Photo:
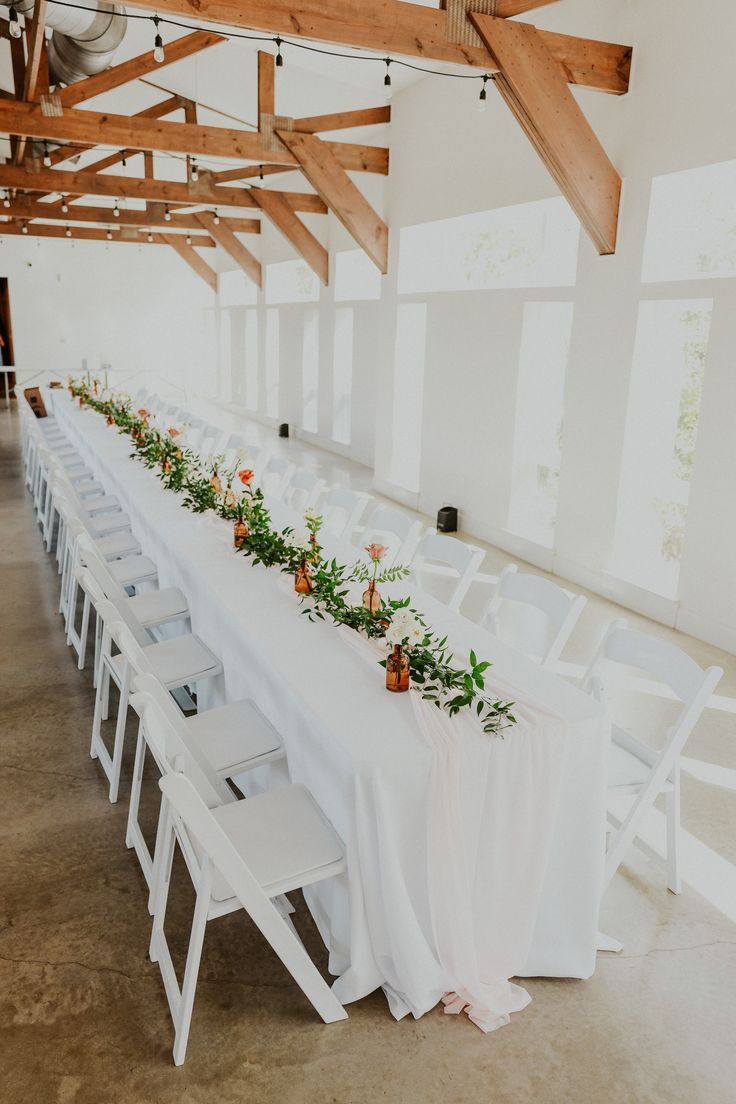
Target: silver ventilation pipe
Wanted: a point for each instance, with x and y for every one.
(84, 38)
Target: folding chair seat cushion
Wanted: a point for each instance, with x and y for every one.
(117, 544)
(154, 607)
(283, 837)
(175, 662)
(232, 736)
(133, 569)
(109, 523)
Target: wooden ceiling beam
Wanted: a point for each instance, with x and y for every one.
(26, 209)
(343, 120)
(32, 179)
(85, 233)
(249, 172)
(294, 230)
(195, 262)
(534, 89)
(333, 184)
(266, 84)
(34, 43)
(91, 127)
(166, 107)
(224, 237)
(505, 9)
(136, 67)
(390, 27)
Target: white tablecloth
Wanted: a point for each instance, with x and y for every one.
(471, 859)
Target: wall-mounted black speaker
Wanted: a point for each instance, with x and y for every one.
(284, 429)
(447, 519)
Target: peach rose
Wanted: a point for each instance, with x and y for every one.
(245, 476)
(173, 432)
(376, 552)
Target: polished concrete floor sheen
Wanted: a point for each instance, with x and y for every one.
(83, 1018)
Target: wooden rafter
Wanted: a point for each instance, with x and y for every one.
(396, 27)
(158, 111)
(126, 187)
(26, 209)
(195, 262)
(136, 67)
(507, 8)
(343, 120)
(249, 172)
(86, 233)
(532, 86)
(35, 42)
(86, 127)
(266, 84)
(224, 237)
(294, 230)
(333, 184)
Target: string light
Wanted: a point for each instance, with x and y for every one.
(216, 219)
(149, 236)
(6, 200)
(68, 232)
(46, 156)
(116, 210)
(24, 228)
(189, 239)
(158, 42)
(167, 213)
(109, 235)
(387, 81)
(64, 206)
(279, 58)
(194, 171)
(13, 24)
(482, 97)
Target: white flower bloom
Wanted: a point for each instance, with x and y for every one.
(404, 629)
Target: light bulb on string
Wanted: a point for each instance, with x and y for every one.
(279, 58)
(483, 95)
(260, 172)
(24, 228)
(167, 213)
(109, 235)
(216, 219)
(387, 82)
(158, 43)
(68, 232)
(189, 239)
(14, 28)
(64, 206)
(6, 200)
(194, 171)
(46, 156)
(149, 236)
(116, 210)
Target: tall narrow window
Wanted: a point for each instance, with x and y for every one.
(310, 371)
(251, 359)
(535, 473)
(342, 375)
(659, 444)
(272, 362)
(408, 395)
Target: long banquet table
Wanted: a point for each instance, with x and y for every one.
(471, 859)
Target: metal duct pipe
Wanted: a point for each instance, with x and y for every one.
(84, 38)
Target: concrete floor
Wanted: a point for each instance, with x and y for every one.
(83, 1018)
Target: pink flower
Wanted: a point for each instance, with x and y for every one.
(173, 432)
(376, 552)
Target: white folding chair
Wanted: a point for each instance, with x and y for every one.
(462, 560)
(275, 475)
(532, 613)
(304, 491)
(637, 769)
(182, 661)
(395, 530)
(243, 855)
(343, 510)
(224, 742)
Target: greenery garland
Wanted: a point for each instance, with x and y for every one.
(210, 485)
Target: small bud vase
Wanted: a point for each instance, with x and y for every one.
(397, 670)
(371, 598)
(240, 533)
(110, 420)
(302, 579)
